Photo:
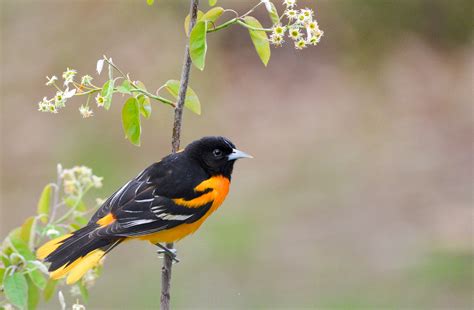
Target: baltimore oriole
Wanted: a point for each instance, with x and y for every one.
(166, 202)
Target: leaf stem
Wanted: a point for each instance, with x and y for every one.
(73, 208)
(158, 98)
(115, 67)
(252, 9)
(224, 25)
(57, 188)
(137, 89)
(242, 23)
(237, 20)
(88, 92)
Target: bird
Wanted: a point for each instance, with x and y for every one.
(167, 201)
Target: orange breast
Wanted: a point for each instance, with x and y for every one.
(220, 189)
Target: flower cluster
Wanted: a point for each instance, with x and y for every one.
(302, 28)
(71, 88)
(53, 104)
(78, 179)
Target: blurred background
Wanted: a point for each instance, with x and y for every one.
(360, 193)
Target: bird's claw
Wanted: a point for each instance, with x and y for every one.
(166, 251)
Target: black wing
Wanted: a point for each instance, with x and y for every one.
(145, 204)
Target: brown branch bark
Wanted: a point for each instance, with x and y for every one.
(178, 119)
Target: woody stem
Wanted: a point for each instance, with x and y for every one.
(178, 118)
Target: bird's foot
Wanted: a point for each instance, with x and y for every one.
(166, 251)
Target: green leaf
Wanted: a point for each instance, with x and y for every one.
(188, 19)
(140, 85)
(71, 202)
(98, 270)
(49, 289)
(81, 220)
(259, 39)
(36, 276)
(25, 230)
(213, 14)
(274, 14)
(105, 88)
(84, 291)
(33, 294)
(75, 226)
(145, 105)
(107, 92)
(150, 2)
(125, 87)
(16, 290)
(191, 102)
(6, 257)
(212, 2)
(198, 44)
(21, 248)
(2, 273)
(44, 203)
(131, 120)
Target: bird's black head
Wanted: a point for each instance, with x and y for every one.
(216, 155)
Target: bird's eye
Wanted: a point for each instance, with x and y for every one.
(217, 153)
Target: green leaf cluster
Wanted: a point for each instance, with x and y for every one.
(22, 277)
(206, 22)
(24, 280)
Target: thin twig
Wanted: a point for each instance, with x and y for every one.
(57, 187)
(178, 118)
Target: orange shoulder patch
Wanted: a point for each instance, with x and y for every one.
(106, 220)
(219, 186)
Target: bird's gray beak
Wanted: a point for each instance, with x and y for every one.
(236, 154)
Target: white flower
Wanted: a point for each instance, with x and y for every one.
(75, 292)
(276, 39)
(318, 33)
(308, 13)
(291, 14)
(51, 80)
(316, 37)
(43, 105)
(78, 307)
(278, 29)
(313, 26)
(83, 170)
(89, 278)
(85, 111)
(294, 33)
(96, 181)
(59, 100)
(86, 80)
(100, 100)
(289, 3)
(69, 187)
(100, 65)
(300, 44)
(301, 18)
(67, 174)
(52, 108)
(68, 76)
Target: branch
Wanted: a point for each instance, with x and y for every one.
(178, 118)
